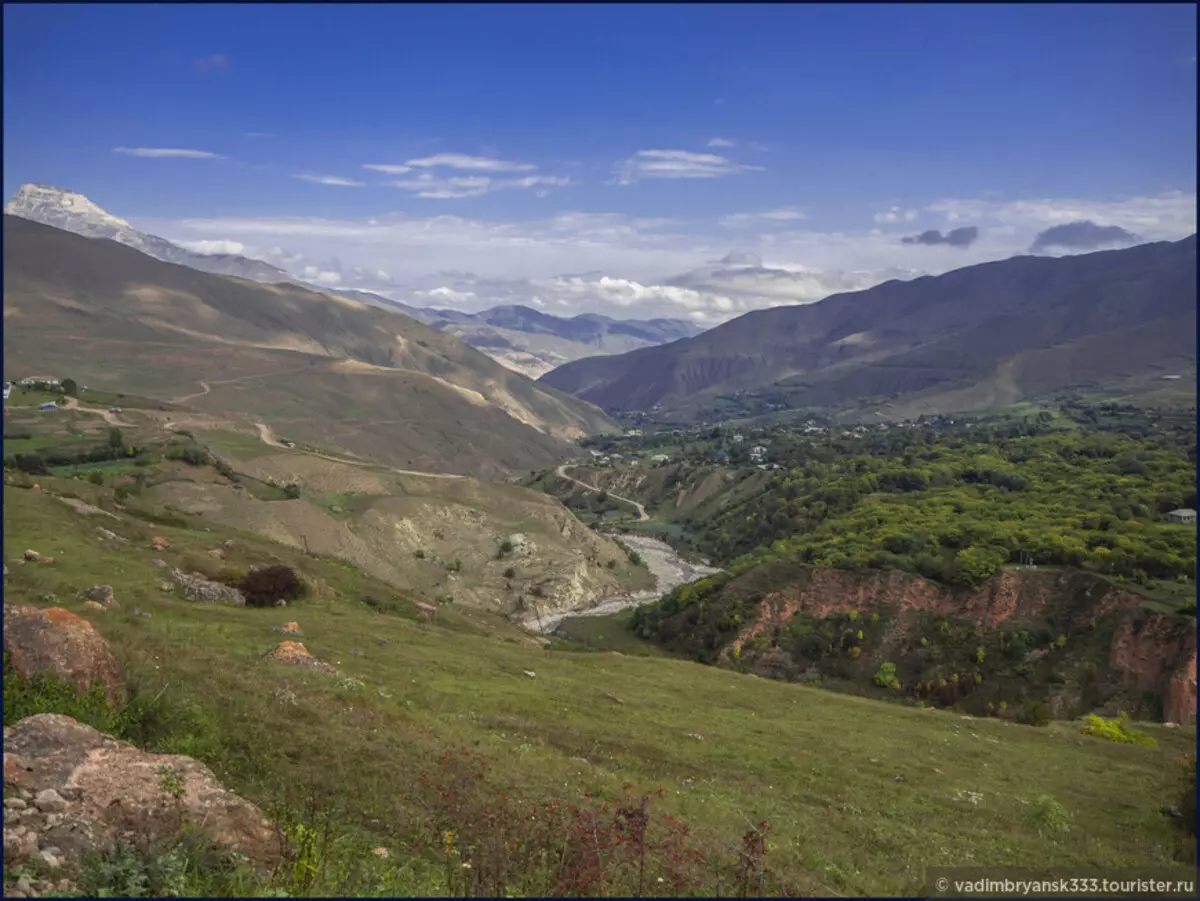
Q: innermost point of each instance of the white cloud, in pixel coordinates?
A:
(233, 247)
(745, 220)
(470, 163)
(638, 267)
(390, 169)
(460, 186)
(1167, 216)
(335, 180)
(721, 142)
(676, 164)
(895, 214)
(165, 152)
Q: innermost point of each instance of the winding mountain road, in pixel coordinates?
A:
(561, 472)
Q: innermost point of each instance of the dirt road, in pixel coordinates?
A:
(107, 415)
(561, 472)
(267, 435)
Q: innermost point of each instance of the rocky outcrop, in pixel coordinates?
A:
(205, 591)
(1157, 652)
(86, 789)
(59, 643)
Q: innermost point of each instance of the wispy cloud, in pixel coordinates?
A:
(168, 152)
(456, 187)
(673, 164)
(470, 163)
(390, 169)
(210, 63)
(721, 142)
(765, 217)
(895, 214)
(335, 180)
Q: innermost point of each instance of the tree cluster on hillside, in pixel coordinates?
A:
(954, 509)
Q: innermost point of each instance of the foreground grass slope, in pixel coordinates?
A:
(862, 795)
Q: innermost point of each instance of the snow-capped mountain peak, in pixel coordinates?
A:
(75, 213)
(43, 203)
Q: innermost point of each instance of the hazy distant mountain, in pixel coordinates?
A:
(75, 213)
(973, 338)
(533, 342)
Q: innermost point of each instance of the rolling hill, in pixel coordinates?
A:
(968, 339)
(329, 371)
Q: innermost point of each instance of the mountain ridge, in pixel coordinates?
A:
(331, 371)
(902, 338)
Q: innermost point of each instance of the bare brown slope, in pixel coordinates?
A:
(379, 383)
(905, 337)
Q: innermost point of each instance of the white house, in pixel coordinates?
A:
(660, 458)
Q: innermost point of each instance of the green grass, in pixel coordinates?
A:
(862, 795)
(607, 633)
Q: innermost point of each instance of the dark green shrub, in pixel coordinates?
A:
(1037, 713)
(510, 573)
(268, 585)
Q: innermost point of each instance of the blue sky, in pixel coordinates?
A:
(638, 142)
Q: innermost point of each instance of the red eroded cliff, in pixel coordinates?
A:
(1151, 651)
(1157, 652)
(1005, 596)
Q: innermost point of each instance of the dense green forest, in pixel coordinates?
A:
(953, 509)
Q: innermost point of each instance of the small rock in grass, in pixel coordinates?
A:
(380, 852)
(32, 556)
(159, 543)
(15, 803)
(49, 801)
(101, 594)
(531, 674)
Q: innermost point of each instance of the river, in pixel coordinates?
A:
(667, 567)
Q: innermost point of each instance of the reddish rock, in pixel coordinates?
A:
(217, 553)
(290, 628)
(59, 643)
(296, 654)
(427, 611)
(94, 605)
(109, 788)
(159, 543)
(1157, 652)
(1008, 595)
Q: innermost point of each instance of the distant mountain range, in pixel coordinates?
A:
(521, 338)
(970, 339)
